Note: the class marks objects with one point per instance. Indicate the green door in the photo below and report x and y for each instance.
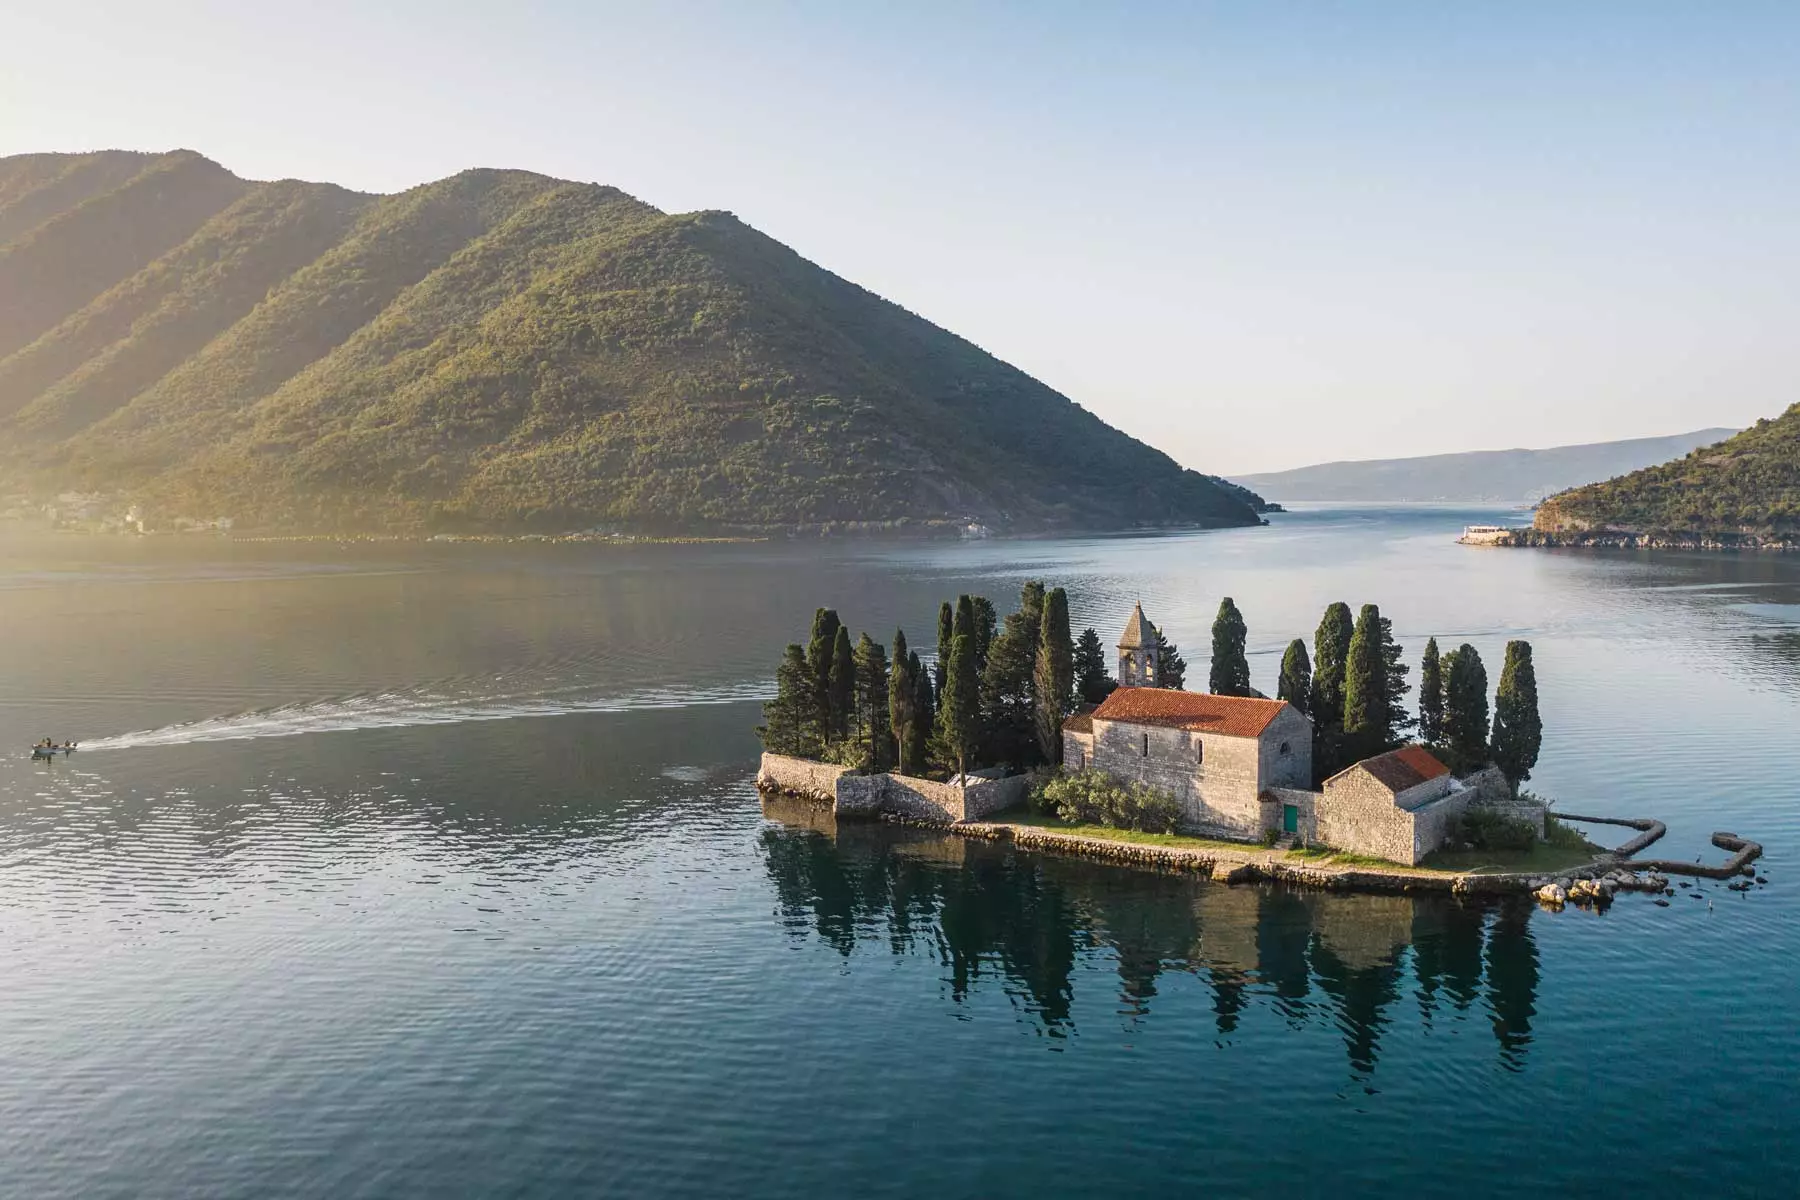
(1290, 818)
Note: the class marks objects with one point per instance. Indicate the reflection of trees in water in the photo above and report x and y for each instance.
(986, 909)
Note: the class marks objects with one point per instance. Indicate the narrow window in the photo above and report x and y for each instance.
(1146, 752)
(1285, 748)
(1199, 751)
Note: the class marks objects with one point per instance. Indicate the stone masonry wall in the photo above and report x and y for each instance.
(1217, 789)
(1078, 749)
(801, 776)
(926, 799)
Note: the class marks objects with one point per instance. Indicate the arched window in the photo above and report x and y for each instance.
(1285, 748)
(1146, 751)
(1199, 751)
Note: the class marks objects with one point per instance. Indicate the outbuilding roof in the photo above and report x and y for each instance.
(1199, 712)
(1398, 770)
(1079, 723)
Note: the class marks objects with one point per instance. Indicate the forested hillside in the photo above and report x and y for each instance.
(501, 350)
(1745, 488)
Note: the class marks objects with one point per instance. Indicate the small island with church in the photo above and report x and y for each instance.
(1015, 729)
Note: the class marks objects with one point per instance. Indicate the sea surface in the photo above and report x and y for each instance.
(437, 870)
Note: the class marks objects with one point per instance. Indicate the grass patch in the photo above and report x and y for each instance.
(1327, 857)
(1108, 833)
(1563, 849)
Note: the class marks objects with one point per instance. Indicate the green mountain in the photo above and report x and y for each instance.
(1745, 489)
(501, 350)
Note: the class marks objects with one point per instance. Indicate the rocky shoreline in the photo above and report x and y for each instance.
(1608, 539)
(1595, 883)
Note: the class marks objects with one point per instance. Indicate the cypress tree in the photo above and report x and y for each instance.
(1054, 676)
(1465, 709)
(872, 702)
(1230, 675)
(841, 690)
(958, 716)
(1365, 705)
(787, 719)
(1331, 648)
(819, 651)
(945, 631)
(1518, 729)
(924, 715)
(985, 624)
(1296, 677)
(1431, 696)
(902, 701)
(1091, 680)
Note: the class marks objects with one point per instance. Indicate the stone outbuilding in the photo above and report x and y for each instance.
(1217, 755)
(1400, 805)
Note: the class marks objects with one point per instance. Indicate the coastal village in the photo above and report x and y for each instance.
(1237, 776)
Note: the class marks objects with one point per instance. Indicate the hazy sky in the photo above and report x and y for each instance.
(1255, 234)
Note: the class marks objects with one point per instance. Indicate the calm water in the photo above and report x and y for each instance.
(431, 871)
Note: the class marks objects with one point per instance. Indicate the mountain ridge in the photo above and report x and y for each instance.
(1515, 475)
(502, 350)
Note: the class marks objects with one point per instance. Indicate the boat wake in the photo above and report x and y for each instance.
(390, 710)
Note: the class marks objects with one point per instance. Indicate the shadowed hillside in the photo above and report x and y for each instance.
(500, 350)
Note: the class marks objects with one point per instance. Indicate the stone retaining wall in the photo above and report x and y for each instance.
(800, 776)
(853, 795)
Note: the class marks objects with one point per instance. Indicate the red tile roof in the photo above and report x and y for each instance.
(1407, 767)
(1201, 712)
(1079, 723)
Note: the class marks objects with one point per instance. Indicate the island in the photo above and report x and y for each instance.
(1015, 729)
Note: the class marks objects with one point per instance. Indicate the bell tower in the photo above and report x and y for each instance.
(1140, 652)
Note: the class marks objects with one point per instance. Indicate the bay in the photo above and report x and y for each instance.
(397, 869)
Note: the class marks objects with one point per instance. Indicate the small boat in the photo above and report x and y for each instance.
(52, 751)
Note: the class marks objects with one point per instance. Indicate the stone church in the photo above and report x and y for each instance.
(1217, 755)
(1241, 766)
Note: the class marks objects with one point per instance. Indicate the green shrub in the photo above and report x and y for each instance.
(1090, 797)
(1483, 829)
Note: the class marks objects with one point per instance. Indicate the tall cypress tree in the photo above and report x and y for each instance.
(1465, 709)
(946, 630)
(819, 651)
(788, 718)
(871, 703)
(902, 702)
(984, 623)
(924, 715)
(1296, 677)
(959, 716)
(1054, 676)
(1518, 729)
(1331, 650)
(1230, 675)
(1365, 705)
(1092, 682)
(841, 689)
(1431, 696)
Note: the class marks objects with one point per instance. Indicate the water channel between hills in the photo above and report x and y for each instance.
(438, 870)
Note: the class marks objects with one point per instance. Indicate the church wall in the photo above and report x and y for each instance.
(1293, 769)
(1218, 794)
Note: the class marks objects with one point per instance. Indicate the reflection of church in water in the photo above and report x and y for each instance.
(1362, 963)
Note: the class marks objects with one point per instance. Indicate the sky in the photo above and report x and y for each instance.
(1256, 235)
